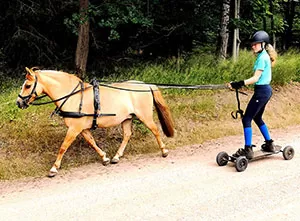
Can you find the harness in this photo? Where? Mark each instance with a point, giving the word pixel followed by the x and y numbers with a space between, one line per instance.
pixel 79 114
pixel 70 114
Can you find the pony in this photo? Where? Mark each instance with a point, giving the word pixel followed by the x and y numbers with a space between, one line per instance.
pixel 84 106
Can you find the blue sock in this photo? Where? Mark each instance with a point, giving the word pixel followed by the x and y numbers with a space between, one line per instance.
pixel 248 136
pixel 265 132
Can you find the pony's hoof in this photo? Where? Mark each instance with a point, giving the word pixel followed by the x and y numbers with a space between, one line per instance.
pixel 115 160
pixel 105 162
pixel 165 153
pixel 52 174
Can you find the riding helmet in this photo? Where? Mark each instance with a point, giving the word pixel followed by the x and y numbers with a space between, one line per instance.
pixel 260 36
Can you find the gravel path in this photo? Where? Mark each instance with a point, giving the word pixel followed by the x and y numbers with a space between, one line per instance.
pixel 187 185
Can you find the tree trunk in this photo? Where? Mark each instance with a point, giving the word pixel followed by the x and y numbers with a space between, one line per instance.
pixel 236 34
pixel 272 23
pixel 82 49
pixel 238 30
pixel 224 35
pixel 289 18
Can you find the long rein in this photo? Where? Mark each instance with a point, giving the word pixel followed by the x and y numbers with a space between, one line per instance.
pixel 61 98
pixel 75 91
pixel 176 86
pixel 81 90
pixel 234 114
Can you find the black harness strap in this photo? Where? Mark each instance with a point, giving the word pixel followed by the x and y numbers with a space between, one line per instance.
pixel 58 109
pixel 124 89
pixel 81 99
pixel 69 114
pixel 79 114
pixel 95 84
pixel 59 99
pixel 33 92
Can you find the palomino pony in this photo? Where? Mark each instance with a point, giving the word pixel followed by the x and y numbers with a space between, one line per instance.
pixel 118 103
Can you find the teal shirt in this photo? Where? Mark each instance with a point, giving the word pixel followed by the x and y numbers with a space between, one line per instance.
pixel 263 63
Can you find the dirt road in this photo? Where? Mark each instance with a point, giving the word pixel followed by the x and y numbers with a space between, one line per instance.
pixel 187 185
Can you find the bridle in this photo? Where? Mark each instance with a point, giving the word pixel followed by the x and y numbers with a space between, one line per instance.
pixel 26 99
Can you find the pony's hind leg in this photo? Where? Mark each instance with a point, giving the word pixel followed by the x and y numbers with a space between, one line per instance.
pixel 126 125
pixel 70 137
pixel 153 127
pixel 90 139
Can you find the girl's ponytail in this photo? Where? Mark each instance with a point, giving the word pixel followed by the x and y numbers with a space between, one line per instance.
pixel 272 53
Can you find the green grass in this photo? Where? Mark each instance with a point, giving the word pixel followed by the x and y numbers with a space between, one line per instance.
pixel 30 139
pixel 287 68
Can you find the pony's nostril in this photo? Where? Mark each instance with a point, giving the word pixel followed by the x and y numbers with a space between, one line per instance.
pixel 19 104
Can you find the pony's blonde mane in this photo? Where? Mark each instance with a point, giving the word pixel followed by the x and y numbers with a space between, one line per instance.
pixel 54 73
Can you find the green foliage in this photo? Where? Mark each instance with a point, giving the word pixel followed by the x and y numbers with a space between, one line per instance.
pixel 111 15
pixel 199 68
pixel 287 68
pixel 140 127
pixel 124 32
pixel 260 18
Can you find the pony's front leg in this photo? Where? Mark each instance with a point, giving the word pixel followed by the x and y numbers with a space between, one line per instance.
pixel 90 139
pixel 126 125
pixel 70 137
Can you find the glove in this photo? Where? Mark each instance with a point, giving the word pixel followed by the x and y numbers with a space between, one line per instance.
pixel 237 84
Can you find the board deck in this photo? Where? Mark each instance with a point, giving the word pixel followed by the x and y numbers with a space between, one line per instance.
pixel 260 153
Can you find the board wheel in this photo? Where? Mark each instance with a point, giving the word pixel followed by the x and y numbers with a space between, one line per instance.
pixel 222 158
pixel 288 153
pixel 241 164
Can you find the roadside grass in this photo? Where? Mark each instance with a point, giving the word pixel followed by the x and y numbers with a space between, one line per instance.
pixel 30 139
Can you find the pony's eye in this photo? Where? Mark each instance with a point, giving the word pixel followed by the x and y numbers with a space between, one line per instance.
pixel 27 86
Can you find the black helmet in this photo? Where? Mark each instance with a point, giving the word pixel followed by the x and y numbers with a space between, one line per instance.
pixel 260 36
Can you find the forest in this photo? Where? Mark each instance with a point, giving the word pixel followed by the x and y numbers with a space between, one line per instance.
pixel 98 36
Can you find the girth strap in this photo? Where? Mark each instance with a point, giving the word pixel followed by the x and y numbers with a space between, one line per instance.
pixel 79 115
pixel 95 84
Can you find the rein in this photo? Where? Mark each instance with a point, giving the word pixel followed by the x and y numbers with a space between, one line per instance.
pixel 239 111
pixel 166 86
pixel 58 109
pixel 124 89
pixel 75 92
pixel 59 99
pixel 96 84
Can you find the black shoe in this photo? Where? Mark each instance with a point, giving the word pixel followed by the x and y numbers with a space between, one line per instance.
pixel 268 146
pixel 247 152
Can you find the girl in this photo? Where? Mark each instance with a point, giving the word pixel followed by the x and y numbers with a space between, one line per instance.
pixel 266 57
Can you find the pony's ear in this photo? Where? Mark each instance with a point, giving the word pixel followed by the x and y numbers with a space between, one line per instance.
pixel 29 74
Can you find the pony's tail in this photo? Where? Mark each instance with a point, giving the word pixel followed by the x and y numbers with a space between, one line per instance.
pixel 163 112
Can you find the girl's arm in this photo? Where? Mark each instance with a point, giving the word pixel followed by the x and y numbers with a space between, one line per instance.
pixel 254 78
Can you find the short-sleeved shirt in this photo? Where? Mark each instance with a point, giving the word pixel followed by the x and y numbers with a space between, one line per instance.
pixel 263 63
